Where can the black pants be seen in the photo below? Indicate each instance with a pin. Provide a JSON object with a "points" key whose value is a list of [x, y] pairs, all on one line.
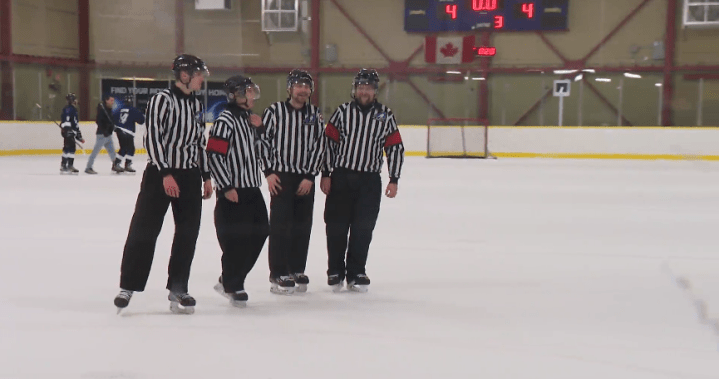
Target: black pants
{"points": [[127, 145], [242, 229], [290, 227], [352, 206], [68, 146], [150, 210]]}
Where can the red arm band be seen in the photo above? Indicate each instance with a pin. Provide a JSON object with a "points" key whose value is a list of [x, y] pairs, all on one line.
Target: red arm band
{"points": [[332, 132], [393, 139], [217, 145]]}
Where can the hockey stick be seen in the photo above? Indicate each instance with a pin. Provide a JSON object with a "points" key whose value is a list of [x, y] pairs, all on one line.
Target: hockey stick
{"points": [[116, 126], [82, 148]]}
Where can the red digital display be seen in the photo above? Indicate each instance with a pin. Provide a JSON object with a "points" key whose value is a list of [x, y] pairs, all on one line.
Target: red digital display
{"points": [[484, 5], [528, 9], [451, 10], [498, 22], [484, 51]]}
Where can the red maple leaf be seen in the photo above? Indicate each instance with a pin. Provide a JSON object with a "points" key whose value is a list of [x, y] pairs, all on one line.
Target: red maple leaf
{"points": [[449, 50]]}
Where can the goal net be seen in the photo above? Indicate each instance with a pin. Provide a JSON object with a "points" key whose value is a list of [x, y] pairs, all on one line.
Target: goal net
{"points": [[457, 138]]}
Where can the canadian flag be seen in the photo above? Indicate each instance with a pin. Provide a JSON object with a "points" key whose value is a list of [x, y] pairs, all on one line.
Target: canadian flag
{"points": [[449, 50]]}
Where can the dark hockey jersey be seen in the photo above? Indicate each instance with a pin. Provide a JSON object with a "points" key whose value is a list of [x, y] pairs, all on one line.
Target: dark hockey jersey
{"points": [[69, 122]]}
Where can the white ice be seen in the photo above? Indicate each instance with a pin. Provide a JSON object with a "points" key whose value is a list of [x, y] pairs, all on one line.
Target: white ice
{"points": [[480, 269]]}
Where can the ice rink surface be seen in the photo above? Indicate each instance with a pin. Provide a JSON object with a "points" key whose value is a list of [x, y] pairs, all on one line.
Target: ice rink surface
{"points": [[494, 269]]}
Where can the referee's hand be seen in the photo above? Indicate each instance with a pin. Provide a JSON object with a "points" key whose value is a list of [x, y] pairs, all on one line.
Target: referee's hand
{"points": [[304, 188], [207, 189], [273, 184], [171, 187], [391, 190], [325, 185]]}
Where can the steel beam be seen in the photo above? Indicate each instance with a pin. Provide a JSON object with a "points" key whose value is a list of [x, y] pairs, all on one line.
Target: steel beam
{"points": [[315, 49], [606, 102], [179, 27], [83, 15], [668, 84], [6, 90]]}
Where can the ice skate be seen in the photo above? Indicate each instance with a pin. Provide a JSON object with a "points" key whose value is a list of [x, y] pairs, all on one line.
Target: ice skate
{"points": [[237, 299], [116, 168], [302, 281], [360, 283], [128, 167], [122, 300], [181, 303], [72, 170], [90, 171], [64, 170], [283, 285], [335, 282]]}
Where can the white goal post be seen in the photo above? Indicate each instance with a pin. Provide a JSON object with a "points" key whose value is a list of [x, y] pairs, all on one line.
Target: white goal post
{"points": [[458, 138]]}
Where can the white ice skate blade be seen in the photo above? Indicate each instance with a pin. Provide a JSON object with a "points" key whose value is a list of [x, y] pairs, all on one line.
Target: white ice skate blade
{"points": [[176, 308], [282, 290], [357, 288], [301, 288], [238, 303], [337, 288], [221, 290]]}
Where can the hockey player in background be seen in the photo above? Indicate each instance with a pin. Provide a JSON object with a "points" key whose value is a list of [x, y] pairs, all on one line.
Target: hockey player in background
{"points": [[358, 132], [127, 116], [295, 143], [105, 127], [241, 219], [70, 132]]}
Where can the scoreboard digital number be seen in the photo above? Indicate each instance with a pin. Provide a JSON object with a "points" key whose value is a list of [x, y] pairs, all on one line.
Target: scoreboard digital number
{"points": [[433, 16]]}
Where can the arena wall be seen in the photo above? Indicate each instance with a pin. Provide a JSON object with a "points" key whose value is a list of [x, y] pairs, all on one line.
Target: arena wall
{"points": [[33, 138]]}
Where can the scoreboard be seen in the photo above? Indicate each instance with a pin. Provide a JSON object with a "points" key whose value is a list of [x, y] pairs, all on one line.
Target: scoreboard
{"points": [[435, 16]]}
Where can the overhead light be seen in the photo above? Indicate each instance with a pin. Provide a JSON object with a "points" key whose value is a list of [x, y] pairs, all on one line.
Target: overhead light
{"points": [[454, 72], [630, 75], [605, 80], [480, 78], [562, 72], [589, 70], [139, 79], [657, 84], [578, 77]]}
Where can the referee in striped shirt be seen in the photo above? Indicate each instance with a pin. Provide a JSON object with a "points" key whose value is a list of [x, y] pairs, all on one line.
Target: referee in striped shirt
{"points": [[358, 132], [241, 219], [296, 149], [174, 176]]}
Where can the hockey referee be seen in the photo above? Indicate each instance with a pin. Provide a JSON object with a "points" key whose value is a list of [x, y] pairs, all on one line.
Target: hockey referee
{"points": [[358, 132], [241, 219], [295, 139], [177, 166]]}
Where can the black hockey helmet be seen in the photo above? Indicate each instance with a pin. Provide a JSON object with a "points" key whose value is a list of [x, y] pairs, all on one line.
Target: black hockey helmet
{"points": [[238, 85], [71, 98], [300, 76], [189, 63], [365, 76]]}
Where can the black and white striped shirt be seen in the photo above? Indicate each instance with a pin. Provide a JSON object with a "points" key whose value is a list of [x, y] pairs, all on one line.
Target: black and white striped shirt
{"points": [[357, 137], [233, 150], [294, 138], [175, 137]]}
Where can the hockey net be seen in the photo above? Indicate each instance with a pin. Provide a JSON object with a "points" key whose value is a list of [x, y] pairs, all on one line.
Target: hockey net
{"points": [[457, 138]]}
